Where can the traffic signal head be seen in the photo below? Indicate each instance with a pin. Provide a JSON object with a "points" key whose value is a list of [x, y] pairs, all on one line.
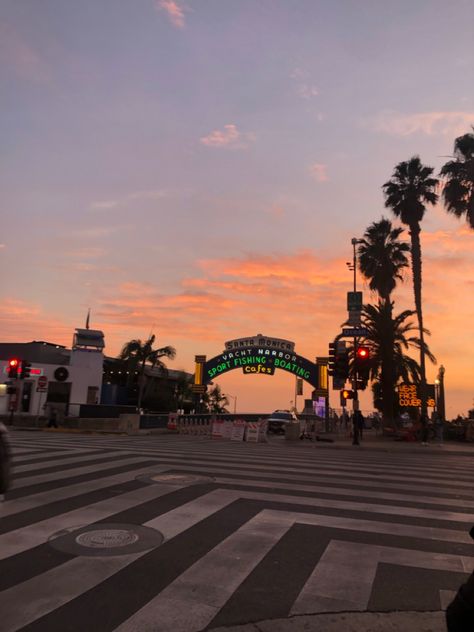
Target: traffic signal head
{"points": [[13, 365], [345, 395], [331, 357], [25, 370], [363, 354], [341, 364]]}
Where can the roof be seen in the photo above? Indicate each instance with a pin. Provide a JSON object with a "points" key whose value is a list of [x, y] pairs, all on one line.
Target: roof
{"points": [[36, 351]]}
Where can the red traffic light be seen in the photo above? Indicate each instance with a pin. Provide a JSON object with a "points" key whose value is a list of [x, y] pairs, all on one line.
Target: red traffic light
{"points": [[363, 353], [13, 366]]}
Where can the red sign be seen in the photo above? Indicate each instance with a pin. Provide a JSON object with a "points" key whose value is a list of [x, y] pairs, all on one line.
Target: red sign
{"points": [[42, 381]]}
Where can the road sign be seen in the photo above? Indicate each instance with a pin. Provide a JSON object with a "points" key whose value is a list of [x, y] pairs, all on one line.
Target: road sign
{"points": [[355, 332], [42, 381]]}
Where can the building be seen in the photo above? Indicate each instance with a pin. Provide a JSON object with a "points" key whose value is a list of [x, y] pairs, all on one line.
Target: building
{"points": [[59, 376]]}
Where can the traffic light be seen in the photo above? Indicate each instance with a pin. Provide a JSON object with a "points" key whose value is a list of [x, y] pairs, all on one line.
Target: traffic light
{"points": [[25, 370], [362, 367], [341, 364], [13, 368], [362, 354], [332, 357], [346, 394]]}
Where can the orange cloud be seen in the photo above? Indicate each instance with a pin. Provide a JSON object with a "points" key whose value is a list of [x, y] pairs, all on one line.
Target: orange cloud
{"points": [[429, 123], [174, 11], [229, 137]]}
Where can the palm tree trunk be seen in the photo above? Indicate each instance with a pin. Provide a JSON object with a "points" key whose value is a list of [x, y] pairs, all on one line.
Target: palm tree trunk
{"points": [[388, 373], [416, 269]]}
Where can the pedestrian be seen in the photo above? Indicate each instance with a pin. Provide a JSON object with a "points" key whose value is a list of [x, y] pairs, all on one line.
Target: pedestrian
{"points": [[460, 612], [355, 428], [5, 462], [424, 429], [53, 418], [360, 424]]}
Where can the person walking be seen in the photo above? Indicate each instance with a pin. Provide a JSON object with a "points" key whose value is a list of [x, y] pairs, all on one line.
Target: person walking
{"points": [[360, 424], [53, 418], [424, 429], [355, 428], [5, 462]]}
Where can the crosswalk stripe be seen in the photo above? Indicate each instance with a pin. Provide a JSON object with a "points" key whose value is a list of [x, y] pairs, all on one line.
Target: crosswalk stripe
{"points": [[358, 503], [15, 542], [40, 595], [48, 478], [190, 602]]}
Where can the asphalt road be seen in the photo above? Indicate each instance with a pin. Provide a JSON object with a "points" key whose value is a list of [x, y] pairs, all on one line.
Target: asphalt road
{"points": [[172, 533]]}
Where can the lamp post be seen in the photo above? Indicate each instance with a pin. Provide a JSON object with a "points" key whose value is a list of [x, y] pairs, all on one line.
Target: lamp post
{"points": [[355, 401], [440, 404], [234, 397]]}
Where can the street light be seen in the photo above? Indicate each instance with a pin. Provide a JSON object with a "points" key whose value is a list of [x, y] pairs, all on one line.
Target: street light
{"points": [[234, 397]]}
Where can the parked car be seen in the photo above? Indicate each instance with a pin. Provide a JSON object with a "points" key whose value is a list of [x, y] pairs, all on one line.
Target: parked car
{"points": [[279, 419]]}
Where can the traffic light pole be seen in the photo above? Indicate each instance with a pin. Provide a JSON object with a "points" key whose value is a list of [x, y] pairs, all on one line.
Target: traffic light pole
{"points": [[355, 401]]}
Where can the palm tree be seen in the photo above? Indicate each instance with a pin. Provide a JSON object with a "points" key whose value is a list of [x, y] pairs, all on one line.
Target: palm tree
{"points": [[382, 326], [138, 354], [458, 191], [215, 400], [406, 194], [382, 258]]}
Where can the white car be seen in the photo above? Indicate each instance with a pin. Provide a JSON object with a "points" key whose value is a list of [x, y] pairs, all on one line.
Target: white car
{"points": [[279, 419]]}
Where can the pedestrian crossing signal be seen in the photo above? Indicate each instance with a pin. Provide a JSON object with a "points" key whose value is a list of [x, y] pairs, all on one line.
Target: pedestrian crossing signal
{"points": [[345, 395]]}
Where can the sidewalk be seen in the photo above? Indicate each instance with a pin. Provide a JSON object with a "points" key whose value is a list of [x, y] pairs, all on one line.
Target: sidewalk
{"points": [[379, 443], [349, 622]]}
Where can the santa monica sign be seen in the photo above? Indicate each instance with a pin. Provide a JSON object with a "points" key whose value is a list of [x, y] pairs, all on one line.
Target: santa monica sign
{"points": [[260, 355]]}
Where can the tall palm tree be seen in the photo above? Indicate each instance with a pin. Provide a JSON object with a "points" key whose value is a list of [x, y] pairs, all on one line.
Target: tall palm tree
{"points": [[407, 193], [458, 191], [382, 325], [382, 257], [138, 354], [215, 400]]}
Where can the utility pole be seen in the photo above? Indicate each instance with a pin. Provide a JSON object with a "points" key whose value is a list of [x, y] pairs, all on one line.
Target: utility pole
{"points": [[355, 401]]}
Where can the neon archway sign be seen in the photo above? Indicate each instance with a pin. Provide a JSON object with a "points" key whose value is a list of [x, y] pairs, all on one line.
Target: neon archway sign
{"points": [[260, 355]]}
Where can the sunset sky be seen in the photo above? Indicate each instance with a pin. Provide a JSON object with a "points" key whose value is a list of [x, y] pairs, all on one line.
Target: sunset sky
{"points": [[197, 170]]}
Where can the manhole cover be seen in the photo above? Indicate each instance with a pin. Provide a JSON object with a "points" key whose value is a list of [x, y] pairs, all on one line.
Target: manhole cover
{"points": [[172, 478], [106, 539]]}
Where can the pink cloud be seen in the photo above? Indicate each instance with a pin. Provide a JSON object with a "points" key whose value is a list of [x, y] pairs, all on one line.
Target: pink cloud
{"points": [[319, 172], [21, 57], [228, 137], [174, 11], [429, 123]]}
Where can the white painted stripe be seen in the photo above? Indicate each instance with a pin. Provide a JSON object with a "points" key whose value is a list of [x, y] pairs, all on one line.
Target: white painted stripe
{"points": [[36, 597], [44, 456], [72, 458], [32, 535], [24, 603], [190, 602], [78, 471], [39, 499], [343, 578], [342, 491], [320, 477], [365, 507], [375, 526]]}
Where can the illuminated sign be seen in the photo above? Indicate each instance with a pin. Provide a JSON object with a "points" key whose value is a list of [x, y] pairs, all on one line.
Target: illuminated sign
{"points": [[408, 396], [250, 358], [263, 342]]}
